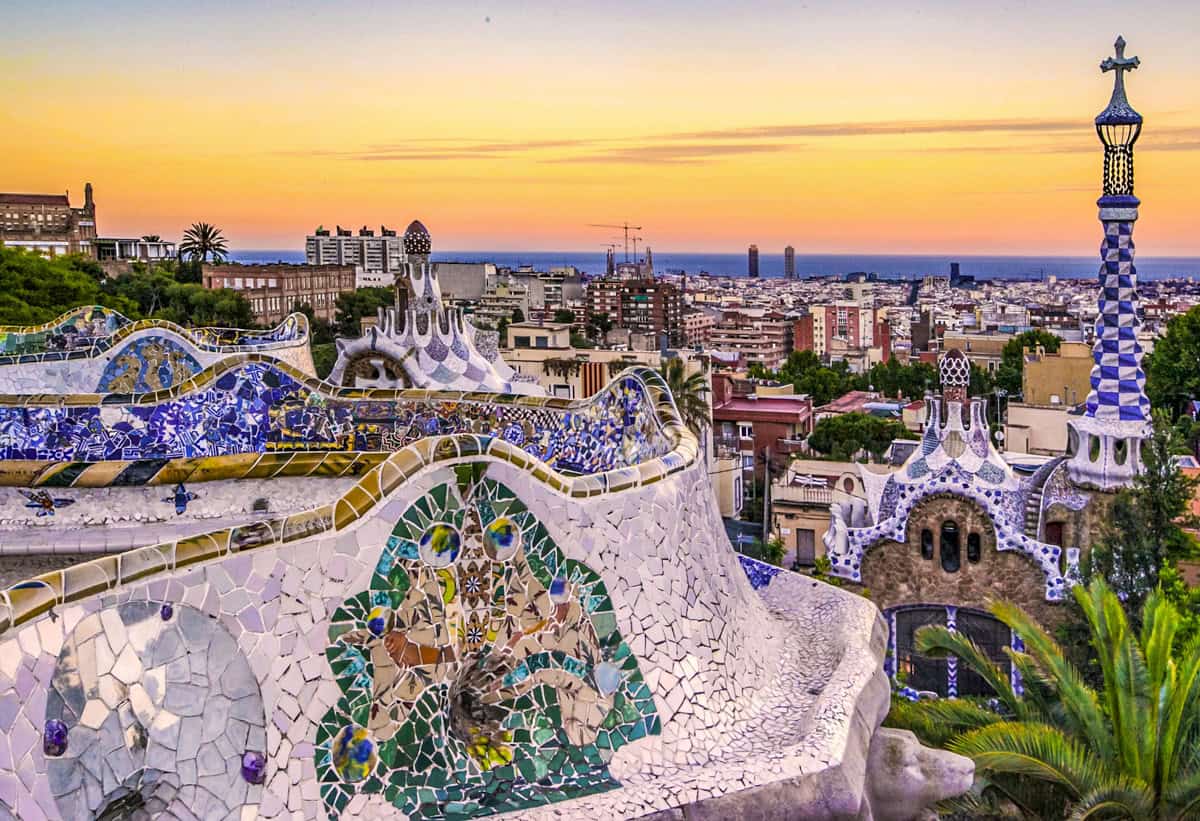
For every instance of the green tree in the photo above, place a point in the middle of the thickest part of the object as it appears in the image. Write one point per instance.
(598, 326)
(1144, 532)
(324, 358)
(1129, 749)
(843, 436)
(690, 392)
(1012, 357)
(564, 315)
(581, 341)
(202, 240)
(518, 315)
(352, 306)
(1173, 368)
(35, 289)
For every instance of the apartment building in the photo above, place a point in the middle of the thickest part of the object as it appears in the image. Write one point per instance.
(274, 289)
(764, 339)
(377, 258)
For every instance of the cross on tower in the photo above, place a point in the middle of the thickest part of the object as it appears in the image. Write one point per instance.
(1120, 64)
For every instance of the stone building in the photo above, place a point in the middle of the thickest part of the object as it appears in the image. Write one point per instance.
(275, 289)
(47, 223)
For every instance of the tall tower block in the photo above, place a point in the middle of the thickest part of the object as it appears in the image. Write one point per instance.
(1105, 443)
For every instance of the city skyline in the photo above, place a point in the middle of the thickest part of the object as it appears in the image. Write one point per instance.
(507, 129)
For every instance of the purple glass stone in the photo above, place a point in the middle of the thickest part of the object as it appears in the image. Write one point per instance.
(166, 612)
(254, 767)
(54, 738)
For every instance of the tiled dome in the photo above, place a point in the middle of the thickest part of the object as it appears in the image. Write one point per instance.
(416, 240)
(955, 370)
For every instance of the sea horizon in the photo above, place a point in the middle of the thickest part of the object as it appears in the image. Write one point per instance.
(888, 266)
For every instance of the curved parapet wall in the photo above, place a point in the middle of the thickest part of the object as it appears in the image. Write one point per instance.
(94, 349)
(253, 417)
(465, 632)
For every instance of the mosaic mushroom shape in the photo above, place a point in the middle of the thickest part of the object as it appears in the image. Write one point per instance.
(482, 672)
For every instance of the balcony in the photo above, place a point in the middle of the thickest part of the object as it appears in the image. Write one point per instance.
(802, 495)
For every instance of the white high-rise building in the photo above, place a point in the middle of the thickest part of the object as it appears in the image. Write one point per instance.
(377, 258)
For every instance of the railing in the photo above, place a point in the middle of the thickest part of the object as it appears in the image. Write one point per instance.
(802, 494)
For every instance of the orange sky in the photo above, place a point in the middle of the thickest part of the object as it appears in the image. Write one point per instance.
(850, 127)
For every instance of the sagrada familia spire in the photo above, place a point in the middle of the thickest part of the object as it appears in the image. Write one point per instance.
(1105, 442)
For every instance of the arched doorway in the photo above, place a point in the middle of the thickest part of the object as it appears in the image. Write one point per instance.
(945, 676)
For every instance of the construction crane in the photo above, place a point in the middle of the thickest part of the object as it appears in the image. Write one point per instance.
(625, 226)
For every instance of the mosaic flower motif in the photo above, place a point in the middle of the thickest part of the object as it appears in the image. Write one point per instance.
(501, 682)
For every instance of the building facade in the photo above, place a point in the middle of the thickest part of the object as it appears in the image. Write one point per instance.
(47, 224)
(765, 340)
(378, 258)
(789, 262)
(274, 289)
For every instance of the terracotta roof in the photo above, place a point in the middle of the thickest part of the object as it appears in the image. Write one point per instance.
(34, 199)
(764, 408)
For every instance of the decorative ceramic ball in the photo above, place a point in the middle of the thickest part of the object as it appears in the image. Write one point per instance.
(254, 767)
(440, 545)
(353, 753)
(379, 621)
(502, 538)
(54, 738)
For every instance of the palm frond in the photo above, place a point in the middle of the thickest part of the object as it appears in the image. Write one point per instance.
(1179, 735)
(1038, 751)
(1181, 799)
(1125, 678)
(1080, 704)
(938, 641)
(1131, 802)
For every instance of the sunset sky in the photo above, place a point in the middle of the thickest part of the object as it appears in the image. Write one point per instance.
(873, 127)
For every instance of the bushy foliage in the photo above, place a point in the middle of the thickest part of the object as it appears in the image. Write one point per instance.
(1173, 368)
(844, 436)
(352, 306)
(35, 289)
(1128, 748)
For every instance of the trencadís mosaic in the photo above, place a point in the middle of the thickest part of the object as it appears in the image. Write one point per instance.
(482, 671)
(256, 407)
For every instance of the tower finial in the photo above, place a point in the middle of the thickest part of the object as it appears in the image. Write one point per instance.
(1119, 112)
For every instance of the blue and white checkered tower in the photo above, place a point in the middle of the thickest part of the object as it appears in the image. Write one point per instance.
(1106, 440)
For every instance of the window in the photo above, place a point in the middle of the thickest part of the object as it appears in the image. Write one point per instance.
(926, 544)
(974, 547)
(521, 341)
(950, 549)
(542, 342)
(746, 430)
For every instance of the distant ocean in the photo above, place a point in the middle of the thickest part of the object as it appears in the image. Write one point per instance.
(771, 265)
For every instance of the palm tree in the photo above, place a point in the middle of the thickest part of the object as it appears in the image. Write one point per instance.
(201, 240)
(689, 391)
(1130, 750)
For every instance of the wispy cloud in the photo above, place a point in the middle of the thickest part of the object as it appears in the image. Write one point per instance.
(881, 128)
(674, 153)
(694, 147)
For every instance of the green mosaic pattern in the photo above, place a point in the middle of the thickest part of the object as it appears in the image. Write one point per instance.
(479, 677)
